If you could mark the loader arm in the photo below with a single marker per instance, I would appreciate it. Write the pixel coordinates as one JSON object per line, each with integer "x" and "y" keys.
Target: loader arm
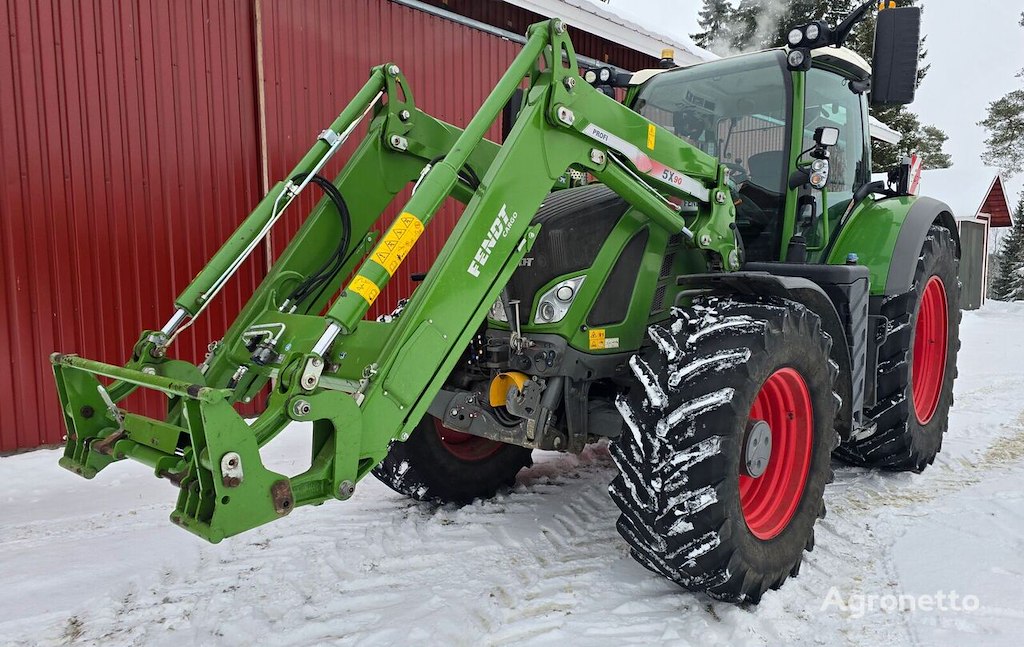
{"x": 365, "y": 384}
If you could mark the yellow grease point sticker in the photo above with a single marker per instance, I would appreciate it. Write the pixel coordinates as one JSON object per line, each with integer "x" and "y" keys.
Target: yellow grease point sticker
{"x": 395, "y": 245}
{"x": 652, "y": 132}
{"x": 597, "y": 338}
{"x": 365, "y": 288}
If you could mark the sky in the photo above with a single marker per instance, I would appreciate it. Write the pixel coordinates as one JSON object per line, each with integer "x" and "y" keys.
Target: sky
{"x": 975, "y": 48}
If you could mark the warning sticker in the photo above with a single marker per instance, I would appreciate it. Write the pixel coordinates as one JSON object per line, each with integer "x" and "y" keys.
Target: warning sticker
{"x": 395, "y": 245}
{"x": 597, "y": 338}
{"x": 365, "y": 288}
{"x": 652, "y": 132}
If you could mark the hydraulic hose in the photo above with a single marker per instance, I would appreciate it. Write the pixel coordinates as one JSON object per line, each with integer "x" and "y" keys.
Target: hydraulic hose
{"x": 330, "y": 268}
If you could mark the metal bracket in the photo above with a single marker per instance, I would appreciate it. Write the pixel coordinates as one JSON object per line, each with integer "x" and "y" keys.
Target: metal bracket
{"x": 311, "y": 373}
{"x": 332, "y": 138}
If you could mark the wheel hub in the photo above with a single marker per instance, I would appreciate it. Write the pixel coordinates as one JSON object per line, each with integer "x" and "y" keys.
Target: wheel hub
{"x": 757, "y": 449}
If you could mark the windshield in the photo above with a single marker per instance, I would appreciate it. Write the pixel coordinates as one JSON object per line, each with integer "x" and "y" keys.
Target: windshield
{"x": 735, "y": 109}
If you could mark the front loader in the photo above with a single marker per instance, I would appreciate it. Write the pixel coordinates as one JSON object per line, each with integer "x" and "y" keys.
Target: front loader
{"x": 716, "y": 288}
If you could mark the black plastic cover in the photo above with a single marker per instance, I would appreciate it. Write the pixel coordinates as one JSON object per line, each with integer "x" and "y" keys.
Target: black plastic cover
{"x": 575, "y": 225}
{"x": 894, "y": 68}
{"x": 613, "y": 303}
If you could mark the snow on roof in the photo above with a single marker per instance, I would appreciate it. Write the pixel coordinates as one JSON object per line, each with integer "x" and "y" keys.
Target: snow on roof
{"x": 969, "y": 189}
{"x": 883, "y": 132}
{"x": 646, "y": 38}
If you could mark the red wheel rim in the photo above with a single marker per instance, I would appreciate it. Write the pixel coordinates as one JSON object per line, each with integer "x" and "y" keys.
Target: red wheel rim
{"x": 465, "y": 447}
{"x": 929, "y": 366}
{"x": 769, "y": 501}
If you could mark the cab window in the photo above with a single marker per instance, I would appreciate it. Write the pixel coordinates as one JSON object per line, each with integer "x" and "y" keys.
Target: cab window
{"x": 831, "y": 102}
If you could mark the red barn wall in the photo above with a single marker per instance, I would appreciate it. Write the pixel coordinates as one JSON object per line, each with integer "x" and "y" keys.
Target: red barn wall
{"x": 135, "y": 135}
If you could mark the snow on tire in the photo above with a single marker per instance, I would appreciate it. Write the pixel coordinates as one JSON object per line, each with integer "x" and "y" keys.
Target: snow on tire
{"x": 441, "y": 465}
{"x": 690, "y": 509}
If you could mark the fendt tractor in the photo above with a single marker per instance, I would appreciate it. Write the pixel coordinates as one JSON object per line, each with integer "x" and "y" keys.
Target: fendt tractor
{"x": 702, "y": 275}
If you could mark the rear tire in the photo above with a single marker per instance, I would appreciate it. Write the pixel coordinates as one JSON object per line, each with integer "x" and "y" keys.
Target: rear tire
{"x": 444, "y": 466}
{"x": 916, "y": 365}
{"x": 687, "y": 511}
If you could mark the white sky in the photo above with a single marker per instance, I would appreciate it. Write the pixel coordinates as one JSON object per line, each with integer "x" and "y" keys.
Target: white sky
{"x": 974, "y": 49}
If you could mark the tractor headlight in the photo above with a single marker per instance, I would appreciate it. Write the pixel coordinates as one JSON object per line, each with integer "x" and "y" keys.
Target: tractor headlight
{"x": 796, "y": 58}
{"x": 812, "y": 32}
{"x": 498, "y": 312}
{"x": 555, "y": 303}
{"x": 795, "y": 36}
{"x": 819, "y": 174}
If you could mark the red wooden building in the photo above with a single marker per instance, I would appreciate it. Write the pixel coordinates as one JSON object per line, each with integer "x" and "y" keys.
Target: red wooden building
{"x": 136, "y": 134}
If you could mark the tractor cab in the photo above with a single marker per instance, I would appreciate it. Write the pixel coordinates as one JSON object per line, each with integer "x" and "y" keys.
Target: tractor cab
{"x": 790, "y": 124}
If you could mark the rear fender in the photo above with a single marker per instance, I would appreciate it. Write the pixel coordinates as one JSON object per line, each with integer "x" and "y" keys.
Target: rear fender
{"x": 887, "y": 236}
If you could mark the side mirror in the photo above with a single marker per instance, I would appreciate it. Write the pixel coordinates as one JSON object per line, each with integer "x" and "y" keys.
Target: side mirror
{"x": 894, "y": 65}
{"x": 826, "y": 136}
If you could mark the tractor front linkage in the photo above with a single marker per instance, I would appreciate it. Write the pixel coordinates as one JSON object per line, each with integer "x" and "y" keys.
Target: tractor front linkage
{"x": 364, "y": 384}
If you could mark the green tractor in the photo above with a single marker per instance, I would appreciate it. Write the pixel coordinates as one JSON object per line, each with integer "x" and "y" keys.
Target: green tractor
{"x": 703, "y": 275}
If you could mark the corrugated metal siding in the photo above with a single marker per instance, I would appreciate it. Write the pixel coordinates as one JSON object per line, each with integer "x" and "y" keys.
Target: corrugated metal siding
{"x": 128, "y": 143}
{"x": 317, "y": 58}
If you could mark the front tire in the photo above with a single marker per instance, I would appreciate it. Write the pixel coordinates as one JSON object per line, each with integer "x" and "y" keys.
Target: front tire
{"x": 916, "y": 365}
{"x": 440, "y": 465}
{"x": 690, "y": 506}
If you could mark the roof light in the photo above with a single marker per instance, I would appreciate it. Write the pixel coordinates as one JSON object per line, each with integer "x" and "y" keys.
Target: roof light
{"x": 795, "y": 37}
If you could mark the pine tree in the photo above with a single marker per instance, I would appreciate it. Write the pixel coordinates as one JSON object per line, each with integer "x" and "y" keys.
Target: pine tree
{"x": 1005, "y": 125}
{"x": 715, "y": 19}
{"x": 1008, "y": 285}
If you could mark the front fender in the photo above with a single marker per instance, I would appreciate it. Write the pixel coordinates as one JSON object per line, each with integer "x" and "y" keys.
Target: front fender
{"x": 887, "y": 236}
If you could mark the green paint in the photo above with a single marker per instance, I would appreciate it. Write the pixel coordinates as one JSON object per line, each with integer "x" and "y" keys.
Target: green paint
{"x": 379, "y": 378}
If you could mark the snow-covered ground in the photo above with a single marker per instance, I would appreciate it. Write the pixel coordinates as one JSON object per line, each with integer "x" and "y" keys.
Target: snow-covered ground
{"x": 98, "y": 562}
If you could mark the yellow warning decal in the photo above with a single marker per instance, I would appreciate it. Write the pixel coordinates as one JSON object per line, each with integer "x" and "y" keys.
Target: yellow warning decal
{"x": 597, "y": 338}
{"x": 395, "y": 245}
{"x": 365, "y": 288}
{"x": 652, "y": 132}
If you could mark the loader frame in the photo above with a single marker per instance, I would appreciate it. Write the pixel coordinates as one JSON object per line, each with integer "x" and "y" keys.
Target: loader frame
{"x": 364, "y": 384}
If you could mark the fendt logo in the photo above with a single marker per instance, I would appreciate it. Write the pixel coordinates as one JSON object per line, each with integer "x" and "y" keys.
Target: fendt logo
{"x": 500, "y": 228}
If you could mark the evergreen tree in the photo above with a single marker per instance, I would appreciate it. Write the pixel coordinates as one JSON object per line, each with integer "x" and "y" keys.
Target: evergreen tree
{"x": 1005, "y": 125}
{"x": 1008, "y": 285}
{"x": 716, "y": 21}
